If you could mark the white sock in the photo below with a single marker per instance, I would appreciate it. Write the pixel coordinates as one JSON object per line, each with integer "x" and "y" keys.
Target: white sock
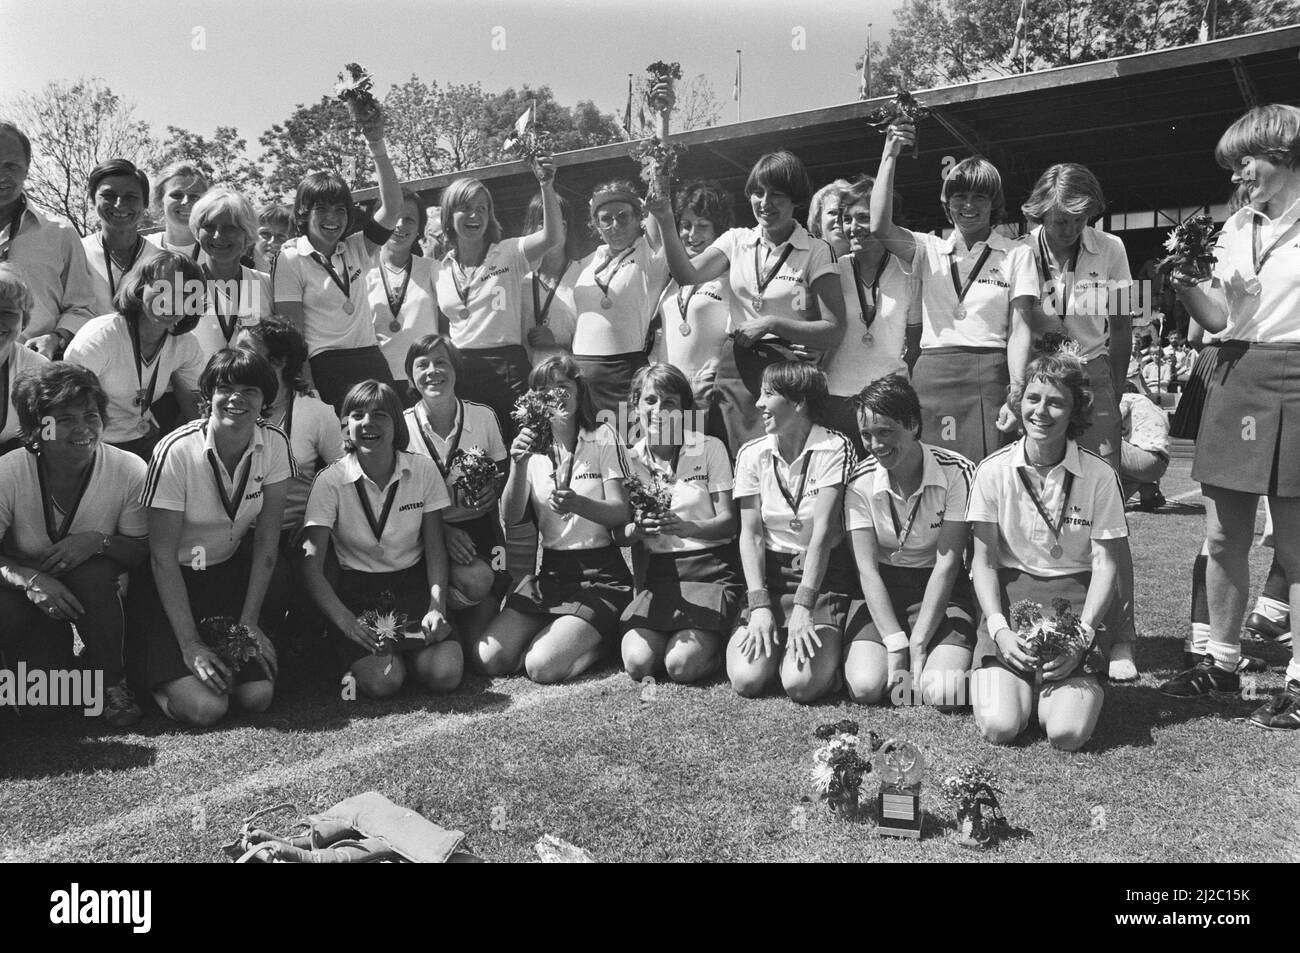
{"x": 1279, "y": 613}
{"x": 1226, "y": 655}
{"x": 1293, "y": 670}
{"x": 1199, "y": 638}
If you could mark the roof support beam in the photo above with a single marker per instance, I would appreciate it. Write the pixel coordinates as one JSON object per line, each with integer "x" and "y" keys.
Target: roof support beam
{"x": 1249, "y": 95}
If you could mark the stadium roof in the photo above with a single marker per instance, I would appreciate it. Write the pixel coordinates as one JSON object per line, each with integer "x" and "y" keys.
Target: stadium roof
{"x": 1146, "y": 124}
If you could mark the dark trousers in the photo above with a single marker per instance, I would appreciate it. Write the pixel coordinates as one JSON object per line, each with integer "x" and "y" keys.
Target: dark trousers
{"x": 335, "y": 372}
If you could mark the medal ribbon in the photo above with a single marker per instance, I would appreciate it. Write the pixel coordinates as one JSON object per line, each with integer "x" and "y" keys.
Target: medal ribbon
{"x": 765, "y": 280}
{"x": 875, "y": 289}
{"x": 470, "y": 278}
{"x": 47, "y": 502}
{"x": 540, "y": 309}
{"x": 4, "y": 389}
{"x": 230, "y": 503}
{"x": 376, "y": 525}
{"x": 145, "y": 393}
{"x": 684, "y": 304}
{"x": 344, "y": 284}
{"x": 957, "y": 284}
{"x": 231, "y": 314}
{"x": 902, "y": 532}
{"x": 1053, "y": 527}
{"x": 427, "y": 435}
{"x": 1067, "y": 286}
{"x": 1257, "y": 258}
{"x": 108, "y": 262}
{"x": 395, "y": 302}
{"x": 15, "y": 222}
{"x": 617, "y": 263}
{"x": 797, "y": 499}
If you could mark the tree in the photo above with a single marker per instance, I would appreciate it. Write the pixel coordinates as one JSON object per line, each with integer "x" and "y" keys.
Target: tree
{"x": 697, "y": 106}
{"x": 578, "y": 128}
{"x": 318, "y": 138}
{"x": 462, "y": 116}
{"x": 73, "y": 127}
{"x": 222, "y": 158}
{"x": 412, "y": 131}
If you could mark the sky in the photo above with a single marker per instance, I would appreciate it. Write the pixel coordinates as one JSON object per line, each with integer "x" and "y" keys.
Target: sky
{"x": 247, "y": 63}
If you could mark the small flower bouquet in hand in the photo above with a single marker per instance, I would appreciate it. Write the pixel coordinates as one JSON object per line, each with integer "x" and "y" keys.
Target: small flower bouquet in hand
{"x": 531, "y": 144}
{"x": 657, "y": 156}
{"x": 902, "y": 108}
{"x": 840, "y": 764}
{"x": 1056, "y": 342}
{"x": 478, "y": 472}
{"x": 387, "y": 623}
{"x": 972, "y": 789}
{"x": 1189, "y": 247}
{"x": 534, "y": 411}
{"x": 354, "y": 88}
{"x": 231, "y": 640}
{"x": 650, "y": 500}
{"x": 1046, "y": 639}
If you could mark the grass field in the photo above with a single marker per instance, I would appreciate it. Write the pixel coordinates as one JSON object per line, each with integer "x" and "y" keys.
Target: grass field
{"x": 692, "y": 774}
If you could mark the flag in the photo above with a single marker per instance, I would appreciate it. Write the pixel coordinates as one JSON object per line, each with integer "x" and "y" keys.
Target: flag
{"x": 522, "y": 125}
{"x": 1208, "y": 16}
{"x": 735, "y": 90}
{"x": 864, "y": 84}
{"x": 1017, "y": 45}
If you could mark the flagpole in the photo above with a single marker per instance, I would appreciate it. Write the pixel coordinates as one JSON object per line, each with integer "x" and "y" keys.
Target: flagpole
{"x": 738, "y": 90}
{"x": 867, "y": 64}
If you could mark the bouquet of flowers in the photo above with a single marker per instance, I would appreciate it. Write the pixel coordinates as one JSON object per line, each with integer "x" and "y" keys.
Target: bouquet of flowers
{"x": 1189, "y": 246}
{"x": 530, "y": 143}
{"x": 354, "y": 89}
{"x": 387, "y": 623}
{"x": 972, "y": 789}
{"x": 1056, "y": 342}
{"x": 657, "y": 156}
{"x": 231, "y": 640}
{"x": 1045, "y": 638}
{"x": 902, "y": 108}
{"x": 477, "y": 473}
{"x": 650, "y": 500}
{"x": 534, "y": 410}
{"x": 841, "y": 763}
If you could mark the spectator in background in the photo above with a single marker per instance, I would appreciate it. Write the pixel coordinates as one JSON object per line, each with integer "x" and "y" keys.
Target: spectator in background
{"x": 824, "y": 218}
{"x": 175, "y": 192}
{"x": 275, "y": 226}
{"x": 1155, "y": 370}
{"x": 1144, "y": 453}
{"x": 46, "y": 251}
{"x": 15, "y": 310}
{"x": 1179, "y": 357}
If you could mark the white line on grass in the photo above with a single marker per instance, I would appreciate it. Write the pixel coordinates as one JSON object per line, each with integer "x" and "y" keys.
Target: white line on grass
{"x": 422, "y": 726}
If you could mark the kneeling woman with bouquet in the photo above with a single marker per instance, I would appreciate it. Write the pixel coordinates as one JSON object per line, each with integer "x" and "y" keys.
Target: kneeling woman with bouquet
{"x": 1048, "y": 520}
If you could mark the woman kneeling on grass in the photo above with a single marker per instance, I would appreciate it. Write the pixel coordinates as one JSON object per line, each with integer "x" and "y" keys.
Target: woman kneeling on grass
{"x": 905, "y": 512}
{"x": 686, "y": 558}
{"x": 789, "y": 484}
{"x": 382, "y": 505}
{"x": 1048, "y": 520}
{"x": 560, "y": 621}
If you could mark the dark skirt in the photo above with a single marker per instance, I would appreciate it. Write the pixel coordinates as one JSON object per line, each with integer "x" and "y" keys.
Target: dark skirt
{"x": 609, "y": 380}
{"x": 962, "y": 389}
{"x": 738, "y": 381}
{"x": 593, "y": 584}
{"x": 839, "y": 583}
{"x": 1015, "y": 585}
{"x": 485, "y": 533}
{"x": 1249, "y": 440}
{"x": 699, "y": 589}
{"x": 497, "y": 377}
{"x": 359, "y": 591}
{"x": 906, "y": 586}
{"x": 336, "y": 371}
{"x": 1191, "y": 402}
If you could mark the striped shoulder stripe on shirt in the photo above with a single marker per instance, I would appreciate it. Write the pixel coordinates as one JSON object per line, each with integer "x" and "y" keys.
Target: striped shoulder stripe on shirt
{"x": 1106, "y": 463}
{"x": 865, "y": 466}
{"x": 159, "y": 456}
{"x": 747, "y": 444}
{"x": 850, "y": 457}
{"x": 493, "y": 413}
{"x": 946, "y": 458}
{"x": 288, "y": 448}
{"x": 994, "y": 458}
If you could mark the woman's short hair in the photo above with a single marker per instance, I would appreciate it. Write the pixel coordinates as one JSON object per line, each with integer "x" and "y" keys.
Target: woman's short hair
{"x": 662, "y": 379}
{"x": 619, "y": 190}
{"x": 425, "y": 346}
{"x": 891, "y": 396}
{"x": 1069, "y": 187}
{"x": 283, "y": 342}
{"x": 818, "y": 202}
{"x": 980, "y": 177}
{"x": 458, "y": 195}
{"x": 706, "y": 199}
{"x": 799, "y": 382}
{"x": 224, "y": 201}
{"x": 14, "y": 293}
{"x": 184, "y": 169}
{"x": 1066, "y": 372}
{"x": 376, "y": 395}
{"x": 277, "y": 213}
{"x": 117, "y": 167}
{"x": 421, "y": 218}
{"x": 238, "y": 367}
{"x": 533, "y": 223}
{"x": 563, "y": 367}
{"x": 39, "y": 389}
{"x": 321, "y": 188}
{"x": 781, "y": 172}
{"x": 1272, "y": 130}
{"x": 165, "y": 266}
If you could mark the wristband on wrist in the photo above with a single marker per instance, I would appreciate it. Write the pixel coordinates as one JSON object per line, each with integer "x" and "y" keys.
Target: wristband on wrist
{"x": 896, "y": 641}
{"x": 805, "y": 596}
{"x": 997, "y": 622}
{"x": 759, "y": 599}
{"x": 1089, "y": 634}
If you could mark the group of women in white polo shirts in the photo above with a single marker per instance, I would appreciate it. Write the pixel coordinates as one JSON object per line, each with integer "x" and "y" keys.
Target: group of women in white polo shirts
{"x": 834, "y": 551}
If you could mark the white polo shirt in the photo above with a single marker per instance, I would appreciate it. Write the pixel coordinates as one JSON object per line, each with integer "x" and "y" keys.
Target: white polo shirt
{"x": 493, "y": 297}
{"x": 636, "y": 278}
{"x": 334, "y": 503}
{"x": 20, "y": 359}
{"x": 182, "y": 479}
{"x": 103, "y": 345}
{"x": 1095, "y": 509}
{"x": 698, "y": 353}
{"x": 561, "y": 314}
{"x": 254, "y": 303}
{"x": 1101, "y": 282}
{"x": 1008, "y": 273}
{"x": 809, "y": 259}
{"x": 1269, "y": 316}
{"x": 827, "y": 458}
{"x": 111, "y": 504}
{"x": 94, "y": 246}
{"x": 159, "y": 241}
{"x": 326, "y": 325}
{"x": 47, "y": 252}
{"x": 418, "y": 315}
{"x": 475, "y": 426}
{"x": 316, "y": 440}
{"x": 856, "y": 363}
{"x": 703, "y": 469}
{"x": 943, "y": 495}
{"x": 598, "y": 456}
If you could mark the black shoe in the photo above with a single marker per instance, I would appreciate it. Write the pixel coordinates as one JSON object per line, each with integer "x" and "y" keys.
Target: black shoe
{"x": 1205, "y": 678}
{"x": 1281, "y": 712}
{"x": 1247, "y": 663}
{"x": 1152, "y": 503}
{"x": 1261, "y": 627}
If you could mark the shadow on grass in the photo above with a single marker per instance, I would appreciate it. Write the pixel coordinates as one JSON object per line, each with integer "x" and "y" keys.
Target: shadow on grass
{"x": 59, "y": 748}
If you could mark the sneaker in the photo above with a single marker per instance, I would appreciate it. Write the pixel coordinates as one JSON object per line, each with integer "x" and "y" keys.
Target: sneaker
{"x": 1261, "y": 627}
{"x": 1123, "y": 670}
{"x": 1247, "y": 663}
{"x": 1150, "y": 504}
{"x": 1205, "y": 678}
{"x": 1281, "y": 712}
{"x": 120, "y": 709}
